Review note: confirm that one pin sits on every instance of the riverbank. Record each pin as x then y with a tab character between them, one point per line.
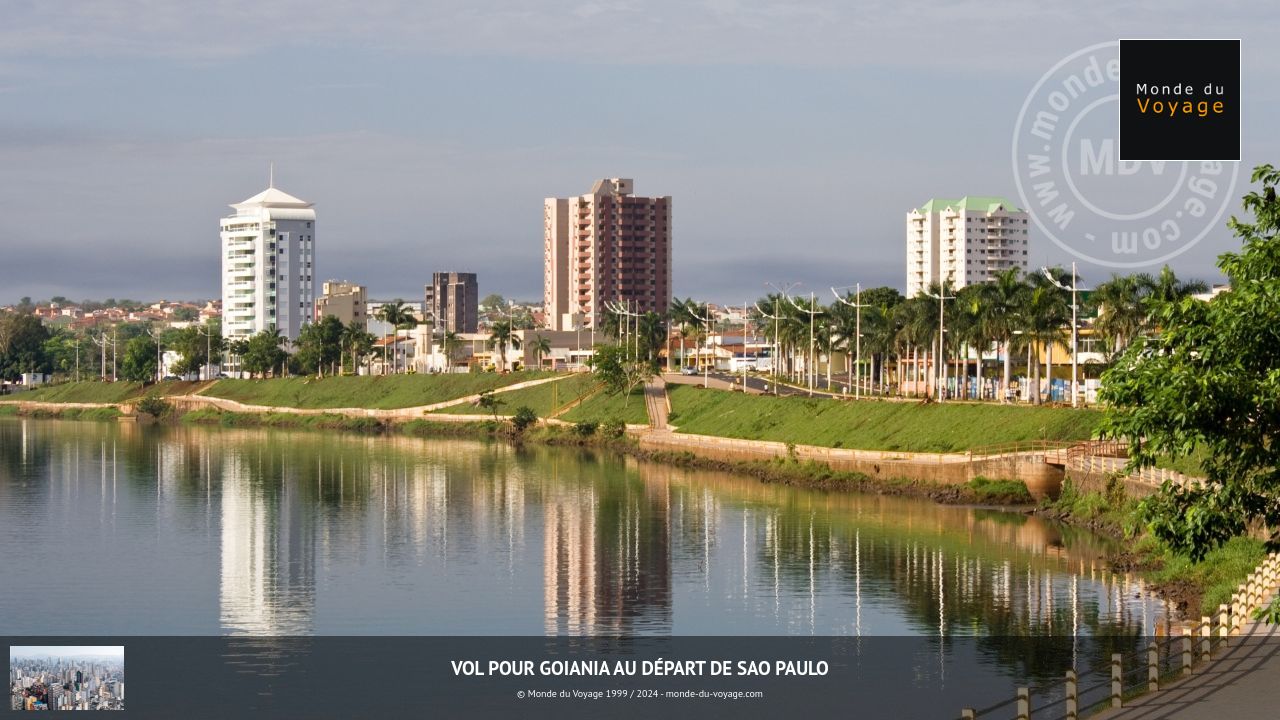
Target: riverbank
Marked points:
766	427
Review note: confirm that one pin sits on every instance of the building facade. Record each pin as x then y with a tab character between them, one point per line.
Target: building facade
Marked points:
606	246
268	257
452	302
963	242
345	301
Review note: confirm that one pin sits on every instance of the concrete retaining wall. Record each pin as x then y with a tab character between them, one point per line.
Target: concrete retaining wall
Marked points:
1042	479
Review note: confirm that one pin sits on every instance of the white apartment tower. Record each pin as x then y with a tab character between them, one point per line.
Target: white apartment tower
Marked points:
268	253
963	242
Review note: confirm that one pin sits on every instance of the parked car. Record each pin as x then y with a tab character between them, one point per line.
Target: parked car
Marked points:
688	370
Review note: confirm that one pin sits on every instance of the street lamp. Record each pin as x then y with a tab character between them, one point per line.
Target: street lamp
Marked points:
1075	328
777	346
813	312
857	305
941	373
706	369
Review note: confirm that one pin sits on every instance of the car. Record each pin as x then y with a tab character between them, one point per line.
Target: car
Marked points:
688	370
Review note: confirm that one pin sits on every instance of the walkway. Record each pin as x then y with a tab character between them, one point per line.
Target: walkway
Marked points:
1242	682
655	401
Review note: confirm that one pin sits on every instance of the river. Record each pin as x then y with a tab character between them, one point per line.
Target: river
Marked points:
120	529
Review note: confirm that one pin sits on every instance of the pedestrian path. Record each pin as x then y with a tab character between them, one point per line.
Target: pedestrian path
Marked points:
1242	682
655	401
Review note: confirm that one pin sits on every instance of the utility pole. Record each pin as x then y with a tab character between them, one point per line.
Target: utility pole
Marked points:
857	305
941	358
1075	329
776	316
706	369
813	312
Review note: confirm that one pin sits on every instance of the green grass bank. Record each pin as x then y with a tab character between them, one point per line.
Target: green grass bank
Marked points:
872	424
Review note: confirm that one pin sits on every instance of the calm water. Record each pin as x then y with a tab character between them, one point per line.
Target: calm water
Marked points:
112	529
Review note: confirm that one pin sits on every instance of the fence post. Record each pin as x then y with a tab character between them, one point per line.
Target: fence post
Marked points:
1024	703
1073	696
1116	680
1224	622
1205	634
1153	666
968	714
1186	651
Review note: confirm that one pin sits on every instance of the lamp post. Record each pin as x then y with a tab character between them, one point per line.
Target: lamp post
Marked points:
941	373
776	317
1075	329
159	354
857	305
813	312
706	369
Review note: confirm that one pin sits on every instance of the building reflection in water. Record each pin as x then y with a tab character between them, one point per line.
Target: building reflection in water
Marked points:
341	534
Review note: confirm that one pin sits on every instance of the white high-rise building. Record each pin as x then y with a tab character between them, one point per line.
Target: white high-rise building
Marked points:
268	257
963	242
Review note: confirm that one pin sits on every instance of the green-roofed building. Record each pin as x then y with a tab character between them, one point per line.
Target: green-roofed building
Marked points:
963	241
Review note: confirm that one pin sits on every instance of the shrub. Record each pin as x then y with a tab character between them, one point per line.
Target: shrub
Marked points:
586	428
523	418
153	405
614	428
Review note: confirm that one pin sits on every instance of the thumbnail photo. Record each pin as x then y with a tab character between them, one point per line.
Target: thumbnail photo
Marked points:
66	677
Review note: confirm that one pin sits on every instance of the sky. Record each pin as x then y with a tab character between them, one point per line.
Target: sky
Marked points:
792	136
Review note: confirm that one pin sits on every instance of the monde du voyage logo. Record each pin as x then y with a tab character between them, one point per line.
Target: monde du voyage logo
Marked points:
1126	153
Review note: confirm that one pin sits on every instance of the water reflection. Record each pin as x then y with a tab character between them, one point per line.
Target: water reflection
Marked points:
259	533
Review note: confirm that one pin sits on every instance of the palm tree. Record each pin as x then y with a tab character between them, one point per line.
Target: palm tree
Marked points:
395	314
357	341
1046	308
541	346
450	346
500	337
1122	315
1002	302
1167	288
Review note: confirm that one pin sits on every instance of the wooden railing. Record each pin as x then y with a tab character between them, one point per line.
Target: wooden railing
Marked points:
1147	669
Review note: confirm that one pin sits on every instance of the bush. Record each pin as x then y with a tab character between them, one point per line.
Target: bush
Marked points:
153	405
523	418
613	428
586	428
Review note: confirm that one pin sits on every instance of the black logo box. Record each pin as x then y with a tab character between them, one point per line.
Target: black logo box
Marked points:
1187	69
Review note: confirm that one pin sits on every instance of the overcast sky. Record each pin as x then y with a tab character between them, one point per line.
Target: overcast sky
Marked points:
793	136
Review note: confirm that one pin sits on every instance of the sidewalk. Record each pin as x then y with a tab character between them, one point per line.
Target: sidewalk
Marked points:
1243	682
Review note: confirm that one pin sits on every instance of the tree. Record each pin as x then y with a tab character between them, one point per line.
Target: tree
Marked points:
618	373
1003	303
357	341
1121	308
523	418
397	315
487	401
22	346
541	347
501	336
139	361
450	346
320	345
263	353
194	345
493	301
1209	381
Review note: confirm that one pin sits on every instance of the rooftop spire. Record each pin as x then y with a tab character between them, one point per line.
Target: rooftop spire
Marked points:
271	175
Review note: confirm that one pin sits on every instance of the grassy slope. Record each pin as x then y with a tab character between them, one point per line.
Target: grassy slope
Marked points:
392	391
539	397
102	392
603	406
871	425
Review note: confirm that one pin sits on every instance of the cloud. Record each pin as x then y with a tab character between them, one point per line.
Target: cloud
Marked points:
991	33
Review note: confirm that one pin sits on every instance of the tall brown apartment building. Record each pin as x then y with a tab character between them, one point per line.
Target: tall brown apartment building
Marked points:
605	246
